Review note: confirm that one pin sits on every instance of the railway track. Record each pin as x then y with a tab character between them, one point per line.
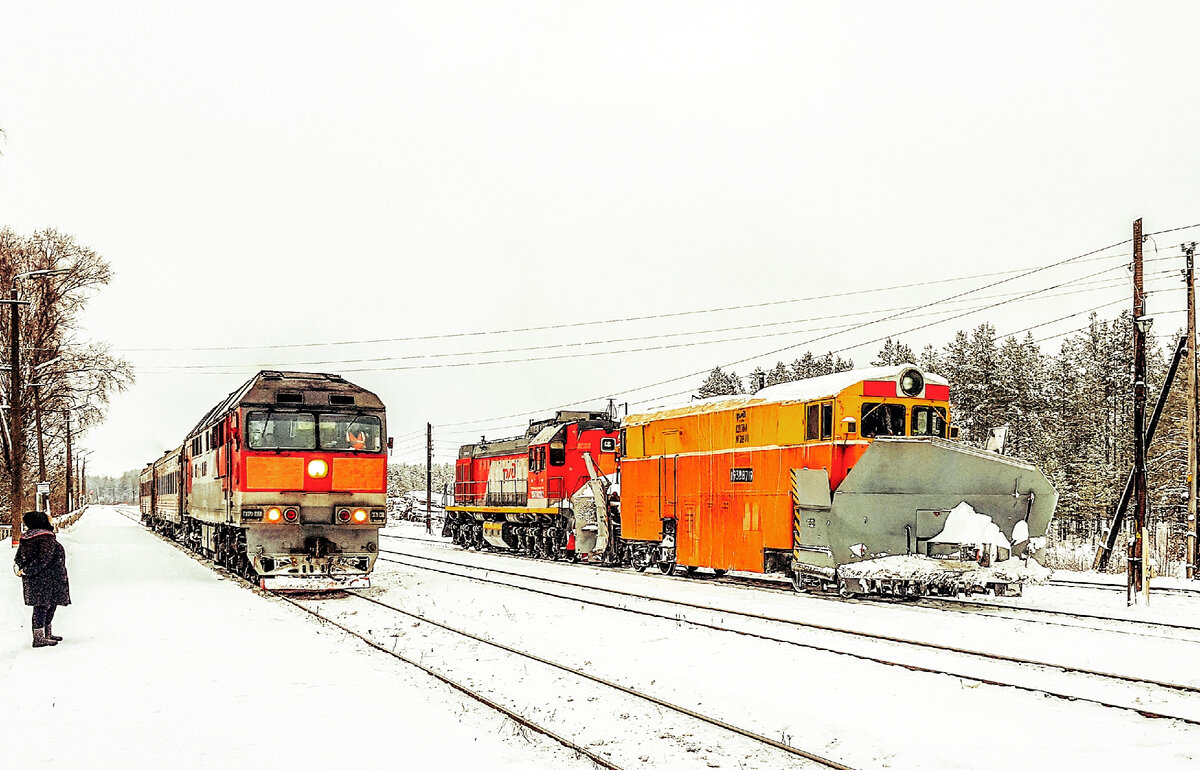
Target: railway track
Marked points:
610	688
809	759
1170	693
1154	591
971	606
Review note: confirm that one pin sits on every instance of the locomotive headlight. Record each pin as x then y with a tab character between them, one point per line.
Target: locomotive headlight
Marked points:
274	515
317	469
911	382
360	515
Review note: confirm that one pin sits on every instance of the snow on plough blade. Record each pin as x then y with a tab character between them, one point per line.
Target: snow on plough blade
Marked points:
923	516
314	582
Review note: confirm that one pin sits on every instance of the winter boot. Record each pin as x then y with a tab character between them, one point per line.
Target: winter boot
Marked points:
40	640
51	636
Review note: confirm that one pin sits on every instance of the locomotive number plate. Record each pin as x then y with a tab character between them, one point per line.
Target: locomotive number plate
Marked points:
741	475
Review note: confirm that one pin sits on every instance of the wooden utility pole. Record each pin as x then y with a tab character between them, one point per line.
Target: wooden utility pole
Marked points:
1138	581
428	469
1193	529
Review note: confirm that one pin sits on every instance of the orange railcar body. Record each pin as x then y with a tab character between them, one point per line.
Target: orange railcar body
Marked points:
721	469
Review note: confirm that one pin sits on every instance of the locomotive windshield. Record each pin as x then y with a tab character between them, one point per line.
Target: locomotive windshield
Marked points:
352	432
297	430
882	420
929	421
281	430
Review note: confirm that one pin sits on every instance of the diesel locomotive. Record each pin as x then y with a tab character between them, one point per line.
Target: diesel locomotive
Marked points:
854	481
283	482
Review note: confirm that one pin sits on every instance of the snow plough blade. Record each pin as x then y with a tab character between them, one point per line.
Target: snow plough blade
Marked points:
897	502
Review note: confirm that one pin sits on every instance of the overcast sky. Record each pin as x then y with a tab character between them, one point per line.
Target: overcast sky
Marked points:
284	185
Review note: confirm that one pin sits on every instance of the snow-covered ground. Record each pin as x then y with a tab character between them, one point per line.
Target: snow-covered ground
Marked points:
167	664
156	641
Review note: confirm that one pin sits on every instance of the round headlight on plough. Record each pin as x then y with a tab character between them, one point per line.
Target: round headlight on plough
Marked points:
911	382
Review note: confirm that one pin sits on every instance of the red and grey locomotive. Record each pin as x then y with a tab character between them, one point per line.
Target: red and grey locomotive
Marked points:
283	482
516	493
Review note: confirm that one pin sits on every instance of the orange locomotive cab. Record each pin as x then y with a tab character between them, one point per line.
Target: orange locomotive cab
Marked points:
709	484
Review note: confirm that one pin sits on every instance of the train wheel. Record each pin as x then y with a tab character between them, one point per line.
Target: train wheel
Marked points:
690	571
720	572
666	567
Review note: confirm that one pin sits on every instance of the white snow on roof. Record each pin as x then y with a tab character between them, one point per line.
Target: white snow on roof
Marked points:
802	390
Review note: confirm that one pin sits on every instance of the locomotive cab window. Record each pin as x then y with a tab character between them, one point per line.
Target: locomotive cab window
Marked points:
558	453
882	420
929	421
360	433
281	430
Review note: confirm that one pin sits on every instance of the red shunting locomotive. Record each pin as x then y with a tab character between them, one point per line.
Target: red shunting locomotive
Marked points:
522	492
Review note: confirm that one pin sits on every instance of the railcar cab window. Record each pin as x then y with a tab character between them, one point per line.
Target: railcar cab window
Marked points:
558	453
356	433
882	420
818	421
929	421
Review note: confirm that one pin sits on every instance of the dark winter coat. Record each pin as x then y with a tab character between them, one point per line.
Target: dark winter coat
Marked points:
43	564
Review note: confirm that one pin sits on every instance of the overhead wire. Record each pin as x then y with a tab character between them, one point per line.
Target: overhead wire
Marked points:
576	324
1079	258
1104	283
890	313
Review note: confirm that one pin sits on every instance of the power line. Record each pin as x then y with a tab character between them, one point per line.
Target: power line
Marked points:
1034	271
577	324
1019	297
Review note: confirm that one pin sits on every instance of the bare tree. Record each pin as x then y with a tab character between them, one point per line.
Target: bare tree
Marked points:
68	376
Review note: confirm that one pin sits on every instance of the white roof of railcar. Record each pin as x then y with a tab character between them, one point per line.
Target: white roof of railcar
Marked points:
808	389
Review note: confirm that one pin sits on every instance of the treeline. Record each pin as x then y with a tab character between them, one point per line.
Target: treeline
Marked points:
1070	413
406	477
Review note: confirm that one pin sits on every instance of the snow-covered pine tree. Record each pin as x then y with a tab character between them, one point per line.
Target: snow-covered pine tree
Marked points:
894	352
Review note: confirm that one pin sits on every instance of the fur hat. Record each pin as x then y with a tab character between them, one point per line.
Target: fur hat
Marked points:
37	520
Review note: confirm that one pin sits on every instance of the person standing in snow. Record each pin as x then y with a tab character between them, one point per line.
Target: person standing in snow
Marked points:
41	564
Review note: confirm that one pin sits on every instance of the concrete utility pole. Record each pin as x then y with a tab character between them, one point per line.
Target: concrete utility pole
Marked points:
70	468
14	407
429	469
42	500
1193	529
17	499
1138	579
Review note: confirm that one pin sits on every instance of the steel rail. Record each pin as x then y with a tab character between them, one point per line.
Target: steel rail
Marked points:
922	601
1161	590
510	713
614	685
1064	613
820	627
565	742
